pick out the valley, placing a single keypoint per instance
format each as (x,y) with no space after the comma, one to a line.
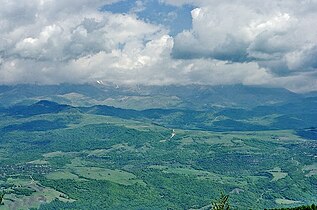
(56,156)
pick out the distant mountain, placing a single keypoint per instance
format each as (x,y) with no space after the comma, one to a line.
(217,108)
(297,115)
(194,97)
(27,94)
(224,95)
(41,107)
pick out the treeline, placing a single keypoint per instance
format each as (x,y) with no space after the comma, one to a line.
(223,204)
(312,207)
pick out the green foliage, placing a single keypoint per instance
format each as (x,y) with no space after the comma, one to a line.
(312,207)
(37,125)
(222,203)
(23,191)
(1,197)
(179,173)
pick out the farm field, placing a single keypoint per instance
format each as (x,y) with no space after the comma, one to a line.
(158,105)
(92,161)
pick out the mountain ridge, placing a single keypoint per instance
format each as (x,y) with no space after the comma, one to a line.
(198,97)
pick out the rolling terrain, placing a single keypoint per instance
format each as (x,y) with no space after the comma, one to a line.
(71,147)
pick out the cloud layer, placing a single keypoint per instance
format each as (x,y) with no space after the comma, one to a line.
(49,42)
(278,35)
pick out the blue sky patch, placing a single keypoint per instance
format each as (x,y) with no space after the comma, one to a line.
(175,18)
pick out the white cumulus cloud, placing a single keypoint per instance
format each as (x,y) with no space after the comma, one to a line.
(278,35)
(249,42)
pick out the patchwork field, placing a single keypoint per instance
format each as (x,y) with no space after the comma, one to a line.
(104,162)
(27,194)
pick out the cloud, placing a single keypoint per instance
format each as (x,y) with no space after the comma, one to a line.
(276,35)
(75,41)
(57,36)
(139,7)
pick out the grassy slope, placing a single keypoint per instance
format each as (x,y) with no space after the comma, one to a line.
(109,162)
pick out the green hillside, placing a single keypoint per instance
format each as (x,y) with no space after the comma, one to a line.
(79,158)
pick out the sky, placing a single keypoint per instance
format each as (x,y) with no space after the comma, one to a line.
(160,42)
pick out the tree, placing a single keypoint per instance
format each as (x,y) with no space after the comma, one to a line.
(221,203)
(1,197)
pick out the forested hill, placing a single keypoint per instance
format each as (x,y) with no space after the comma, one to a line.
(298,115)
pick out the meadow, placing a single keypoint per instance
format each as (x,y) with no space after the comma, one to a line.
(82,160)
